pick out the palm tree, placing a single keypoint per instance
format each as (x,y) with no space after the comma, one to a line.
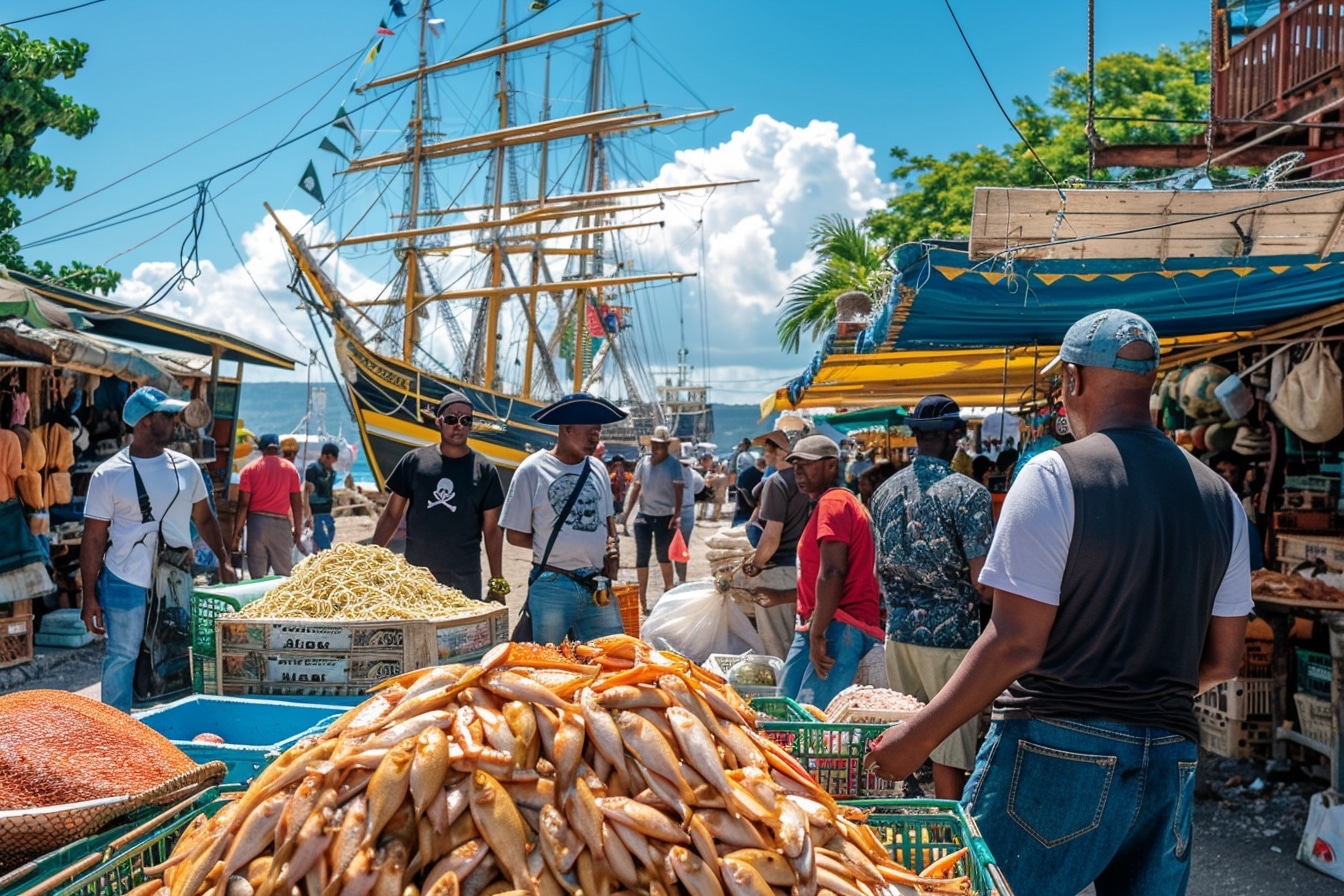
(847,259)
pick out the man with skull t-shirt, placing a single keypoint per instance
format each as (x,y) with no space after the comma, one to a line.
(451,498)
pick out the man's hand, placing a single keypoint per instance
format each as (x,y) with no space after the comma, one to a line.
(675,522)
(817,654)
(897,754)
(227,574)
(494,597)
(773,597)
(92,615)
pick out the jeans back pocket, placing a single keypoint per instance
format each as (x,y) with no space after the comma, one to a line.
(1057,795)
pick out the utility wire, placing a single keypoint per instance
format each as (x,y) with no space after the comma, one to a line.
(54,12)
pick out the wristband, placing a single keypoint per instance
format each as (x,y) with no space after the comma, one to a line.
(498,585)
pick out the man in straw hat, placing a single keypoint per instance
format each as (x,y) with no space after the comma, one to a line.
(1121,587)
(659,490)
(933,529)
(568,553)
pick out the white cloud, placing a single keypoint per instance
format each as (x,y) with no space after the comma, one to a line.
(754,243)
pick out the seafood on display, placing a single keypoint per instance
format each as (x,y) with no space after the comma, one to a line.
(597,769)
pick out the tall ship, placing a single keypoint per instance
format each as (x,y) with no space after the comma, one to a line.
(513,265)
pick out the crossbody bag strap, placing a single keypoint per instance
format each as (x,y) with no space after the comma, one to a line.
(146,507)
(564,514)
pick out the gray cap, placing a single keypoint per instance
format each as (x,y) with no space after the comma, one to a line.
(813,448)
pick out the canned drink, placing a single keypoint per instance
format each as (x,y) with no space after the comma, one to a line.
(602,593)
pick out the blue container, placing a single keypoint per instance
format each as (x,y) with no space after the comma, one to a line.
(255,729)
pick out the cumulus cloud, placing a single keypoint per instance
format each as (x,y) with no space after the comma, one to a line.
(753,238)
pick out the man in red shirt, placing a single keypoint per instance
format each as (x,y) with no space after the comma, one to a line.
(270,504)
(839,603)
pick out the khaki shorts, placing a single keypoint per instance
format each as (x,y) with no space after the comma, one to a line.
(922,672)
(775,624)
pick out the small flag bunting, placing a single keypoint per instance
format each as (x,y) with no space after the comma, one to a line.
(398,8)
(373,54)
(310,185)
(383,29)
(434,25)
(332,147)
(344,122)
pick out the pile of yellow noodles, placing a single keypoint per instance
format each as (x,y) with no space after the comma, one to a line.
(361,581)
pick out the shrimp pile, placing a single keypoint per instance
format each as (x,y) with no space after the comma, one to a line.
(604,768)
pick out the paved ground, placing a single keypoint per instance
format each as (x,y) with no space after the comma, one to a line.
(1246,832)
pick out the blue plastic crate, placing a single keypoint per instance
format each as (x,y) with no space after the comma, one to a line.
(255,729)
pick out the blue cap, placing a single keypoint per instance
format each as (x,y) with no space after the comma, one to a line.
(1096,341)
(268,440)
(580,409)
(147,400)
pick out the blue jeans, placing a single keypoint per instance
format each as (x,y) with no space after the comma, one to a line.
(845,644)
(559,604)
(324,530)
(123,608)
(1068,802)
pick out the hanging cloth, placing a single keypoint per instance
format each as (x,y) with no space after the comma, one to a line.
(1310,402)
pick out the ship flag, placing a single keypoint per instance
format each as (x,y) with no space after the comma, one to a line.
(344,122)
(383,29)
(398,8)
(332,147)
(434,25)
(310,185)
(373,53)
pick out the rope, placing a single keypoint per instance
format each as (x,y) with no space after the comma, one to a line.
(54,12)
(1091,130)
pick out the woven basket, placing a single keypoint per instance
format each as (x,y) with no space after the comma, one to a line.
(26,834)
(627,599)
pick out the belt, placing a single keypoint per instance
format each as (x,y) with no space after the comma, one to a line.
(278,516)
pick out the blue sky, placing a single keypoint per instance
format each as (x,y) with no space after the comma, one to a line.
(820,93)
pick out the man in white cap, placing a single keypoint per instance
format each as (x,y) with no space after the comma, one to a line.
(559,505)
(659,489)
(135,498)
(1121,588)
(451,497)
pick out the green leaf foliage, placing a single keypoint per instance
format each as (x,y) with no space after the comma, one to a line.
(29,106)
(937,193)
(848,258)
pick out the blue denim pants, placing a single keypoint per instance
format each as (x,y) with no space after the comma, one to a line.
(1068,802)
(559,604)
(123,607)
(324,530)
(845,644)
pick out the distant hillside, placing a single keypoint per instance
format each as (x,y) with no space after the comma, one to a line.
(279,408)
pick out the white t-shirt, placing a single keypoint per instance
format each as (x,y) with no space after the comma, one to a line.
(537,494)
(1031,540)
(173,483)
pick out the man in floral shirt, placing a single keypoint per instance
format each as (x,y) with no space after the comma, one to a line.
(933,529)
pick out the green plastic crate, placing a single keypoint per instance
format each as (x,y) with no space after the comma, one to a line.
(778,709)
(208,604)
(832,753)
(918,833)
(1314,671)
(113,862)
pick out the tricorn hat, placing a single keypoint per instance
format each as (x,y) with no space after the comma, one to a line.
(580,409)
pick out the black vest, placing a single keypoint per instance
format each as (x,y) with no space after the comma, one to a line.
(1152,536)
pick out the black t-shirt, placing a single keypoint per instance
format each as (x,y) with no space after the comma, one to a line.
(747,480)
(448,497)
(323,481)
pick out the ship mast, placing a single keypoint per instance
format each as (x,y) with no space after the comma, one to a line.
(596,175)
(496,301)
(410,332)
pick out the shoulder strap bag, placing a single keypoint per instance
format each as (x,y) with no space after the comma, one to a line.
(164,644)
(523,630)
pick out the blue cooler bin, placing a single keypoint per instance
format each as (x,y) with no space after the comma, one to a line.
(255,729)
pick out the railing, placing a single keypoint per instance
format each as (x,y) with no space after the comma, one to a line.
(1266,74)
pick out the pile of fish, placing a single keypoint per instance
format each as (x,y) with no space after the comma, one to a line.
(606,768)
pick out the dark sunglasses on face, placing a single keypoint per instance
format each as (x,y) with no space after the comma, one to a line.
(454,419)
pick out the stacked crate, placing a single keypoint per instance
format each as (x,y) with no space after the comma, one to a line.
(1236,717)
(16,633)
(1314,716)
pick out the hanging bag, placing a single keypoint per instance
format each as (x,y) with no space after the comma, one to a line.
(164,665)
(1310,401)
(523,630)
(677,552)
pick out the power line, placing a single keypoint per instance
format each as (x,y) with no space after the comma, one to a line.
(43,15)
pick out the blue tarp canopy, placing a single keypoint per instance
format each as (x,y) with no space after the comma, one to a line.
(949,302)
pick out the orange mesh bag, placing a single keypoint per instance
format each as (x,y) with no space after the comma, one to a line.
(69,765)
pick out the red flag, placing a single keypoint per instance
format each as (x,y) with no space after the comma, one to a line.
(384,30)
(595,329)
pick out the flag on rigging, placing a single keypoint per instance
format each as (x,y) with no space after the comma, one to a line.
(344,122)
(434,25)
(383,29)
(398,8)
(373,54)
(309,184)
(332,147)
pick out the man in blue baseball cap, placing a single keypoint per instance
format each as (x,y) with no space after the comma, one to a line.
(1121,587)
(141,500)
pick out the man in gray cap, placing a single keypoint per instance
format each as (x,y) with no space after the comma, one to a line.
(559,505)
(782,511)
(450,496)
(136,498)
(933,527)
(1122,584)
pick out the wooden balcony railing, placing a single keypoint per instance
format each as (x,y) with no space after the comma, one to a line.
(1270,72)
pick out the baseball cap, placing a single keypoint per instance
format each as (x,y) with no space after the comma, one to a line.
(453,397)
(813,448)
(1096,341)
(147,400)
(778,436)
(934,412)
(268,440)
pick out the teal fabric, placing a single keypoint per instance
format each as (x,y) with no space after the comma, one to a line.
(21,548)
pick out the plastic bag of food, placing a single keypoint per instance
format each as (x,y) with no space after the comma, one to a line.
(695,620)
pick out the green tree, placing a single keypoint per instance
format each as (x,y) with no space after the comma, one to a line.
(29,105)
(1133,90)
(847,259)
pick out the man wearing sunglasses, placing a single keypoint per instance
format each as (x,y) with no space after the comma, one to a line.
(450,496)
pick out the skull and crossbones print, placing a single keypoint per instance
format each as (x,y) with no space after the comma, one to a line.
(444,494)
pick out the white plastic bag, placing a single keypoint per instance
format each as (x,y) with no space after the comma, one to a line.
(1322,845)
(695,620)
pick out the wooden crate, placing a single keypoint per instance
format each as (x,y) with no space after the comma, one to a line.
(337,657)
(16,641)
(17,609)
(1301,548)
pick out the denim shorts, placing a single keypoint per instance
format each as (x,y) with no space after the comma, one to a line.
(651,531)
(1064,803)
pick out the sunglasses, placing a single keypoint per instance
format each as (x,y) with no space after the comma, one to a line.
(454,419)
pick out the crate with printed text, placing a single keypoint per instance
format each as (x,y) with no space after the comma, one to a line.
(1297,548)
